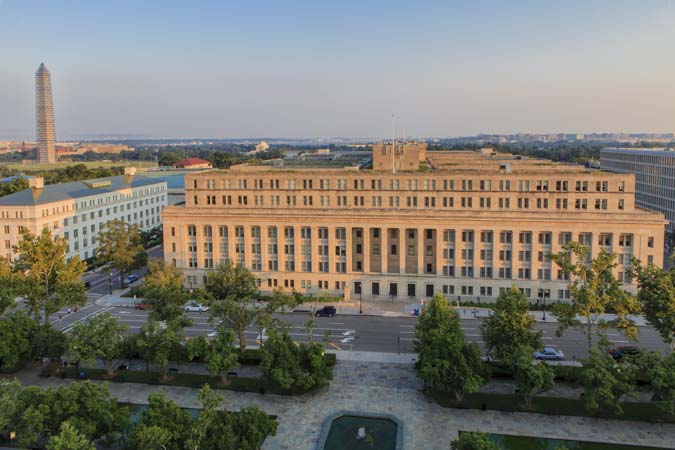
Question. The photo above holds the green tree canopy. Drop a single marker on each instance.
(164, 421)
(8, 288)
(46, 280)
(292, 366)
(119, 243)
(17, 339)
(157, 343)
(593, 291)
(606, 382)
(100, 338)
(221, 356)
(446, 362)
(656, 294)
(510, 326)
(661, 375)
(229, 291)
(531, 377)
(69, 439)
(164, 291)
(473, 441)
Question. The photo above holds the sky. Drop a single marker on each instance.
(238, 69)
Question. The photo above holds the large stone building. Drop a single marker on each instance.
(78, 210)
(654, 171)
(468, 225)
(44, 116)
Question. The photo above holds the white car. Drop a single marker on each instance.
(196, 307)
(550, 354)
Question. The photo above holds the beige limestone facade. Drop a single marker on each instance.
(471, 225)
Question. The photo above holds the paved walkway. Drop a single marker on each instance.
(393, 389)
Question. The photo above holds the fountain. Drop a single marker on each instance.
(349, 430)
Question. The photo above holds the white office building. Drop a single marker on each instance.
(78, 210)
(654, 170)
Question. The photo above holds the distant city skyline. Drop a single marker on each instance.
(446, 69)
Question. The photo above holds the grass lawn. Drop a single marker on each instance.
(645, 412)
(89, 164)
(505, 442)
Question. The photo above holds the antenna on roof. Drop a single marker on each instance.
(393, 146)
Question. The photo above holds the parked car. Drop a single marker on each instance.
(550, 354)
(130, 279)
(196, 307)
(619, 352)
(326, 311)
(143, 306)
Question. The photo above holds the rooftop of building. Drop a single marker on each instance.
(439, 162)
(75, 190)
(191, 162)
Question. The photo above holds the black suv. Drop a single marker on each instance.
(326, 311)
(619, 352)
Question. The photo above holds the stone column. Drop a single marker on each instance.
(421, 251)
(384, 249)
(314, 249)
(349, 242)
(401, 249)
(366, 250)
(248, 247)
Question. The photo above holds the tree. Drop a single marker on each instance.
(156, 343)
(208, 414)
(446, 362)
(164, 420)
(221, 356)
(473, 441)
(101, 338)
(163, 290)
(661, 375)
(606, 382)
(292, 366)
(510, 327)
(119, 243)
(656, 294)
(593, 291)
(69, 439)
(46, 280)
(197, 348)
(8, 289)
(531, 377)
(17, 339)
(229, 291)
(9, 393)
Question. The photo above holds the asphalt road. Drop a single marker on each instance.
(378, 334)
(342, 332)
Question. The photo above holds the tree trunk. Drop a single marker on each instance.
(109, 368)
(242, 340)
(459, 395)
(121, 279)
(223, 378)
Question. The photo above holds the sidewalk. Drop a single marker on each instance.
(400, 309)
(381, 308)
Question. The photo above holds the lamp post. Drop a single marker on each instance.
(360, 302)
(544, 297)
(110, 281)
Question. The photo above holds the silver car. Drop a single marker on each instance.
(550, 354)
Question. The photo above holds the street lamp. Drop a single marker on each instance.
(544, 294)
(360, 301)
(110, 281)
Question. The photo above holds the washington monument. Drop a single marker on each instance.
(44, 116)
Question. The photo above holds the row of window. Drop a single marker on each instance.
(541, 185)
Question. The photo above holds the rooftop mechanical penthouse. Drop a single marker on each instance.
(466, 224)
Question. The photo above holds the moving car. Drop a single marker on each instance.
(619, 352)
(143, 306)
(130, 279)
(326, 311)
(550, 354)
(196, 307)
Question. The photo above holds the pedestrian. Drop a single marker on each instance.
(69, 310)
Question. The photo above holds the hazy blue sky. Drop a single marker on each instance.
(339, 68)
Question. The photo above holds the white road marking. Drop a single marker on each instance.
(348, 333)
(70, 327)
(407, 326)
(407, 332)
(335, 323)
(347, 340)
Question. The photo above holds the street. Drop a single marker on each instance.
(373, 333)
